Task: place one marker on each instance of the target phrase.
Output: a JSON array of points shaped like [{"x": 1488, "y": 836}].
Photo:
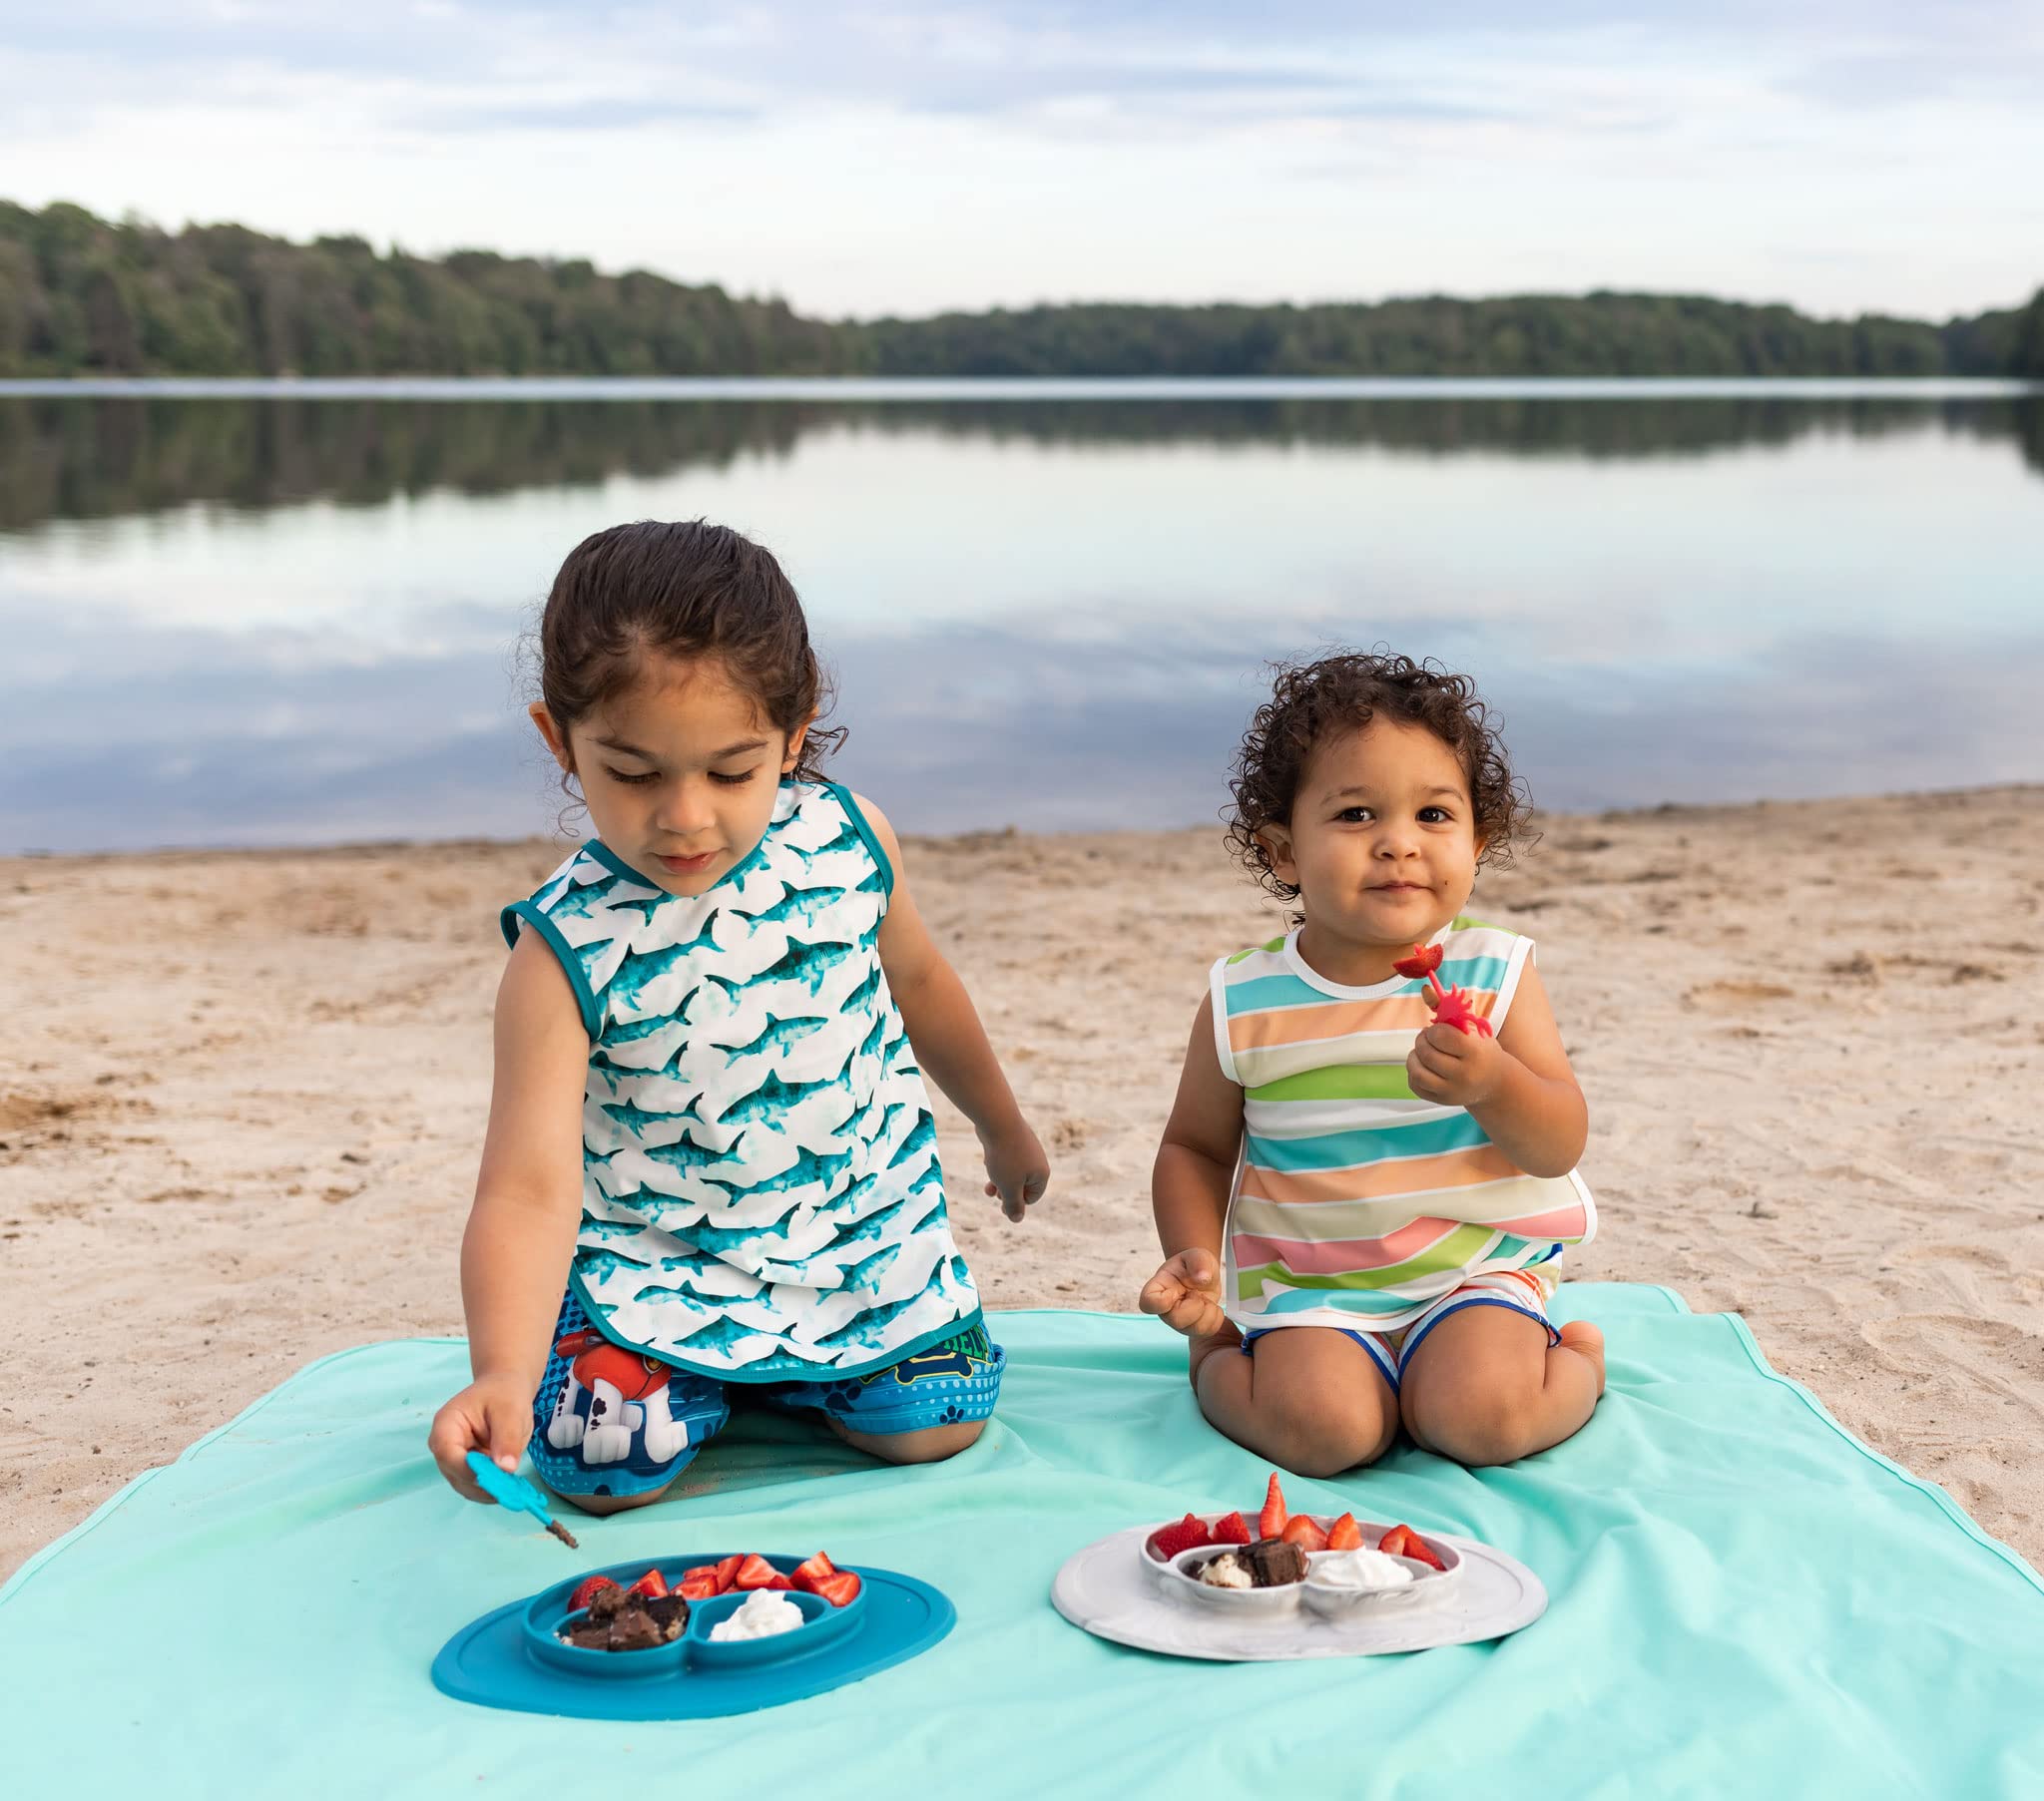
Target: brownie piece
[
  {"x": 634, "y": 1630},
  {"x": 620, "y": 1622},
  {"x": 669, "y": 1612},
  {"x": 1273, "y": 1563}
]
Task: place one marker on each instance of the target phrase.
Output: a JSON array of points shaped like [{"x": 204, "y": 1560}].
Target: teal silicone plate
[{"x": 508, "y": 1658}]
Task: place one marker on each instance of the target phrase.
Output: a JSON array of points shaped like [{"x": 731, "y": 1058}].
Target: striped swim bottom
[{"x": 1525, "y": 1291}]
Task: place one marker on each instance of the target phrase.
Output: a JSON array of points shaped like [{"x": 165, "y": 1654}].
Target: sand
[{"x": 242, "y": 1095}]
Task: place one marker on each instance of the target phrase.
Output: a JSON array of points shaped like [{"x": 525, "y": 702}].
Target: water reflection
[
  {"x": 72, "y": 459},
  {"x": 283, "y": 621}
]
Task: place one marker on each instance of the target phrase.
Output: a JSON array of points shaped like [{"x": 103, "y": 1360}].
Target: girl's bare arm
[
  {"x": 1189, "y": 1187},
  {"x": 950, "y": 1044},
  {"x": 528, "y": 1203},
  {"x": 1518, "y": 1088}
]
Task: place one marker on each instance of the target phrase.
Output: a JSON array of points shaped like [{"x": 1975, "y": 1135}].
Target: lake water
[{"x": 255, "y": 616}]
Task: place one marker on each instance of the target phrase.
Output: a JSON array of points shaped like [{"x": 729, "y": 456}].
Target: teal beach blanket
[{"x": 1744, "y": 1600}]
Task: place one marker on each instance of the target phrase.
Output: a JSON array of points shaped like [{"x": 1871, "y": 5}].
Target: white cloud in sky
[{"x": 927, "y": 156}]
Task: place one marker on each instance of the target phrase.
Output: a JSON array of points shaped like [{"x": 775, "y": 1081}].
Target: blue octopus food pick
[{"x": 517, "y": 1494}]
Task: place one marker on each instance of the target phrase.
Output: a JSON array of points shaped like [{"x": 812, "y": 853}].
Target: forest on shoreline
[{"x": 84, "y": 295}]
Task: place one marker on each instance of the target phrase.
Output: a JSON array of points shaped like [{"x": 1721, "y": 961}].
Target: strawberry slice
[
  {"x": 1404, "y": 1542},
  {"x": 1270, "y": 1522},
  {"x": 838, "y": 1588},
  {"x": 1301, "y": 1530},
  {"x": 812, "y": 1570},
  {"x": 1188, "y": 1532},
  {"x": 728, "y": 1571},
  {"x": 1425, "y": 959},
  {"x": 1345, "y": 1535},
  {"x": 780, "y": 1583},
  {"x": 1421, "y": 1551},
  {"x": 698, "y": 1588},
  {"x": 652, "y": 1585},
  {"x": 1232, "y": 1528},
  {"x": 700, "y": 1571},
  {"x": 588, "y": 1591},
  {"x": 754, "y": 1573}
]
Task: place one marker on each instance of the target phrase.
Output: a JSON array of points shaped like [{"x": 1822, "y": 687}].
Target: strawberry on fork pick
[{"x": 1450, "y": 1005}]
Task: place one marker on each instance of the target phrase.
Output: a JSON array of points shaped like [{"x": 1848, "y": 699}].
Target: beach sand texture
[{"x": 242, "y": 1095}]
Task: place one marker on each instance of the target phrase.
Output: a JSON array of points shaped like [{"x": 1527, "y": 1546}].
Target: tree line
[{"x": 85, "y": 295}]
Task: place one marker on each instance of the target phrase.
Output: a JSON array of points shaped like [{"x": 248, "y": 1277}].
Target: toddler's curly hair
[{"x": 1312, "y": 701}]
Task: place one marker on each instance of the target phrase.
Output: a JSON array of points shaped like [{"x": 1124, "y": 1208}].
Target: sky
[{"x": 1844, "y": 156}]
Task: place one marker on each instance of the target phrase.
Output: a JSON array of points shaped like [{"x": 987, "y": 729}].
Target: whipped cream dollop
[
  {"x": 760, "y": 1614},
  {"x": 1226, "y": 1572},
  {"x": 1360, "y": 1569}
]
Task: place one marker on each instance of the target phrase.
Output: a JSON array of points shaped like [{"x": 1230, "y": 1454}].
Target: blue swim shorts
[{"x": 608, "y": 1421}]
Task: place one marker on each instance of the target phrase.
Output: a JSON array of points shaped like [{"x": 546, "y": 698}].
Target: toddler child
[
  {"x": 709, "y": 1126},
  {"x": 1362, "y": 1211}
]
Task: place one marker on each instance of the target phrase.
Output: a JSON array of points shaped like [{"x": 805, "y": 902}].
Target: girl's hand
[
  {"x": 493, "y": 1415},
  {"x": 1016, "y": 1169},
  {"x": 1186, "y": 1294},
  {"x": 1455, "y": 1068}
]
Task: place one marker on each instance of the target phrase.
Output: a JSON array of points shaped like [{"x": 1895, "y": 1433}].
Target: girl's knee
[
  {"x": 1323, "y": 1435},
  {"x": 929, "y": 1444},
  {"x": 1477, "y": 1424},
  {"x": 599, "y": 1505}
]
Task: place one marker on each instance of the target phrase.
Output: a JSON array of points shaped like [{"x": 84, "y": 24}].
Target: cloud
[
  {"x": 598, "y": 65},
  {"x": 930, "y": 155}
]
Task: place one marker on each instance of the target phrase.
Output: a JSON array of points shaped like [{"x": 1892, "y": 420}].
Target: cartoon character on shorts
[{"x": 626, "y": 1390}]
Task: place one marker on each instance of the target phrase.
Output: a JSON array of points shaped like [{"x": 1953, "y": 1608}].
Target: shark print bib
[{"x": 760, "y": 1198}]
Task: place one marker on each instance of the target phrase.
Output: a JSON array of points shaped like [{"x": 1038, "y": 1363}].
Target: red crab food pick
[{"x": 1450, "y": 1005}]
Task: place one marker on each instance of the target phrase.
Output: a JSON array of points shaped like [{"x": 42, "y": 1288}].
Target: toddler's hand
[
  {"x": 1186, "y": 1294},
  {"x": 1016, "y": 1169},
  {"x": 492, "y": 1415},
  {"x": 1455, "y": 1068}
]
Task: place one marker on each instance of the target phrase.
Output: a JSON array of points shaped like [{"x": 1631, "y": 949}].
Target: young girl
[
  {"x": 708, "y": 1125},
  {"x": 1362, "y": 1211}
]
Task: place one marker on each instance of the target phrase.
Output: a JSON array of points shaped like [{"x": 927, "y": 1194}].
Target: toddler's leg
[
  {"x": 1485, "y": 1386},
  {"x": 925, "y": 1407},
  {"x": 931, "y": 1445},
  {"x": 1311, "y": 1400}
]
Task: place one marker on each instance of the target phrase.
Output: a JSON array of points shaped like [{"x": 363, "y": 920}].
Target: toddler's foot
[{"x": 1587, "y": 1341}]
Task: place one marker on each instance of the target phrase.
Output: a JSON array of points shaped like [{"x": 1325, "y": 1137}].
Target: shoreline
[
  {"x": 246, "y": 1090},
  {"x": 1019, "y": 387},
  {"x": 1541, "y": 822}
]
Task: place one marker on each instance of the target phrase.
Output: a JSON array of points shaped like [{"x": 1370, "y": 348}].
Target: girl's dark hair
[
  {"x": 687, "y": 588},
  {"x": 1312, "y": 701}
]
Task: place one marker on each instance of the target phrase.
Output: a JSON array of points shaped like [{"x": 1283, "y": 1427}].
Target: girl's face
[
  {"x": 1381, "y": 842},
  {"x": 679, "y": 771}
]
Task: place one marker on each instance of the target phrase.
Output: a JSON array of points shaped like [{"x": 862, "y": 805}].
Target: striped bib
[
  {"x": 1357, "y": 1204},
  {"x": 761, "y": 1195}
]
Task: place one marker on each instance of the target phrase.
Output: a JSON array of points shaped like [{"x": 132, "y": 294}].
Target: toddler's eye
[
  {"x": 1434, "y": 815},
  {"x": 631, "y": 781},
  {"x": 1354, "y": 815},
  {"x": 732, "y": 781}
]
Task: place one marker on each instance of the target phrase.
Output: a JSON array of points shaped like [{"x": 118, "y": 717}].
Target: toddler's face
[
  {"x": 680, "y": 770},
  {"x": 1382, "y": 840}
]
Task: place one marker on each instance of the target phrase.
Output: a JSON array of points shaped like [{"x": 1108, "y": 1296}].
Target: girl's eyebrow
[
  {"x": 716, "y": 756},
  {"x": 1369, "y": 793}
]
